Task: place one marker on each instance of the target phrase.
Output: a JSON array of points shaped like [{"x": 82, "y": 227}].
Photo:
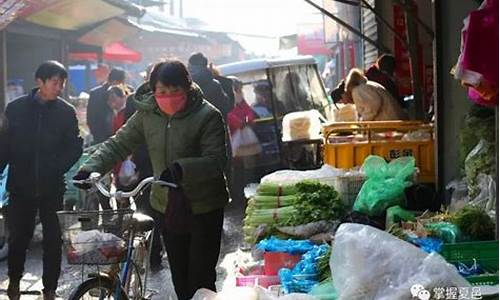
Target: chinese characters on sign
[{"x": 395, "y": 153}]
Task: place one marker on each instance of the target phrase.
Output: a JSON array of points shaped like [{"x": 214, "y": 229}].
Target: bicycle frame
[{"x": 123, "y": 273}]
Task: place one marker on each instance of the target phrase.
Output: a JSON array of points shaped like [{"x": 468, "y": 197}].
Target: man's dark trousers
[{"x": 21, "y": 218}]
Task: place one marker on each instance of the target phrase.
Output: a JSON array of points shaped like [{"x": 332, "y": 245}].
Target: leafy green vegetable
[
  {"x": 315, "y": 202},
  {"x": 271, "y": 189},
  {"x": 478, "y": 124},
  {"x": 323, "y": 265},
  {"x": 475, "y": 223}
]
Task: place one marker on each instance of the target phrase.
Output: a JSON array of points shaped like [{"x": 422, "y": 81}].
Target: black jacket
[
  {"x": 41, "y": 143},
  {"x": 211, "y": 88},
  {"x": 99, "y": 114},
  {"x": 227, "y": 86}
]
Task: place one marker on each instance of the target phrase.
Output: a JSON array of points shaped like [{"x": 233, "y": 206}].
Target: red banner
[{"x": 402, "y": 55}]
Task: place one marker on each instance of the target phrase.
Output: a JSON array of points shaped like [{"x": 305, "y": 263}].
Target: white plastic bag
[
  {"x": 368, "y": 263},
  {"x": 87, "y": 241},
  {"x": 302, "y": 125},
  {"x": 486, "y": 199},
  {"x": 244, "y": 142},
  {"x": 325, "y": 174},
  {"x": 459, "y": 198},
  {"x": 246, "y": 293},
  {"x": 127, "y": 175},
  {"x": 345, "y": 113}
]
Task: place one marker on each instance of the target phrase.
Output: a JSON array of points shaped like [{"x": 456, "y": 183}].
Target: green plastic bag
[
  {"x": 396, "y": 214},
  {"x": 385, "y": 184},
  {"x": 324, "y": 291},
  {"x": 445, "y": 231}
]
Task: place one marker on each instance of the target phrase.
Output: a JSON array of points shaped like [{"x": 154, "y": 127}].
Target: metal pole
[
  {"x": 3, "y": 70},
  {"x": 348, "y": 27}
]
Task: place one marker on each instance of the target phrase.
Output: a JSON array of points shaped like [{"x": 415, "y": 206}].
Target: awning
[
  {"x": 112, "y": 52},
  {"x": 13, "y": 9},
  {"x": 74, "y": 14},
  {"x": 111, "y": 31}
]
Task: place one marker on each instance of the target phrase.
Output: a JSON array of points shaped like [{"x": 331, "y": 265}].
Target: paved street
[{"x": 159, "y": 283}]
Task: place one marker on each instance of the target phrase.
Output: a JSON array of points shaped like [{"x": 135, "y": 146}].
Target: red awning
[{"x": 112, "y": 52}]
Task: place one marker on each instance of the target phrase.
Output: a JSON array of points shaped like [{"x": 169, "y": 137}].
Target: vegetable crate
[
  {"x": 347, "y": 144},
  {"x": 264, "y": 281},
  {"x": 348, "y": 187},
  {"x": 485, "y": 253},
  {"x": 274, "y": 261}
]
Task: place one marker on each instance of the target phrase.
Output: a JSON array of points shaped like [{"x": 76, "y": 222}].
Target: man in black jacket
[
  {"x": 99, "y": 114},
  {"x": 40, "y": 144},
  {"x": 212, "y": 89}
]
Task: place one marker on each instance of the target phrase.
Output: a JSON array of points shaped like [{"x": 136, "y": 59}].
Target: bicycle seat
[{"x": 142, "y": 222}]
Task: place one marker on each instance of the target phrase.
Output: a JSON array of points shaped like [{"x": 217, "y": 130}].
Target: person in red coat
[{"x": 240, "y": 116}]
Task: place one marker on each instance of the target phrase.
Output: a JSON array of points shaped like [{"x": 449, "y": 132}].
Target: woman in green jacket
[{"x": 185, "y": 137}]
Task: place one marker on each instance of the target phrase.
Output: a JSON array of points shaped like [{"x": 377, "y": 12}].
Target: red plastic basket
[
  {"x": 274, "y": 261},
  {"x": 254, "y": 280}
]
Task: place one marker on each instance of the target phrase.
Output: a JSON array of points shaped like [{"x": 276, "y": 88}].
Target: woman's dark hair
[
  {"x": 115, "y": 90},
  {"x": 170, "y": 72},
  {"x": 49, "y": 69},
  {"x": 337, "y": 93},
  {"x": 117, "y": 74},
  {"x": 386, "y": 63}
]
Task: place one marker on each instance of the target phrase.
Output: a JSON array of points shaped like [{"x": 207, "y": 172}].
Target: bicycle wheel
[
  {"x": 134, "y": 285},
  {"x": 100, "y": 287}
]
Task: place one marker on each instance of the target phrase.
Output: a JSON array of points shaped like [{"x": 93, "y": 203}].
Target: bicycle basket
[{"x": 94, "y": 237}]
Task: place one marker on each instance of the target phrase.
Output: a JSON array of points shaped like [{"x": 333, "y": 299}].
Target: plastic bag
[
  {"x": 480, "y": 160},
  {"x": 345, "y": 113},
  {"x": 289, "y": 246},
  {"x": 302, "y": 125},
  {"x": 446, "y": 231},
  {"x": 486, "y": 199},
  {"x": 127, "y": 175},
  {"x": 244, "y": 142},
  {"x": 304, "y": 275},
  {"x": 385, "y": 185},
  {"x": 428, "y": 245},
  {"x": 246, "y": 293},
  {"x": 324, "y": 291},
  {"x": 397, "y": 214},
  {"x": 87, "y": 241},
  {"x": 325, "y": 174},
  {"x": 459, "y": 198},
  {"x": 368, "y": 263},
  {"x": 305, "y": 231}
]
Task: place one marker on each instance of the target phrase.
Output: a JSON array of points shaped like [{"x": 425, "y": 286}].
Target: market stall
[{"x": 362, "y": 233}]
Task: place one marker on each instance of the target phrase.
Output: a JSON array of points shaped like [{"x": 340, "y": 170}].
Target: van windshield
[
  {"x": 293, "y": 88},
  {"x": 298, "y": 88}
]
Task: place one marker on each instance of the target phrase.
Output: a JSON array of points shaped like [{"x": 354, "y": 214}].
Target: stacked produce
[{"x": 276, "y": 206}]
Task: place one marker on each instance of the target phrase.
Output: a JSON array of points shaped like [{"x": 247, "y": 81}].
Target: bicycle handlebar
[{"x": 96, "y": 178}]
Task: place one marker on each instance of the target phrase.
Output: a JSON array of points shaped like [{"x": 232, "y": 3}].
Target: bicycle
[{"x": 120, "y": 238}]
